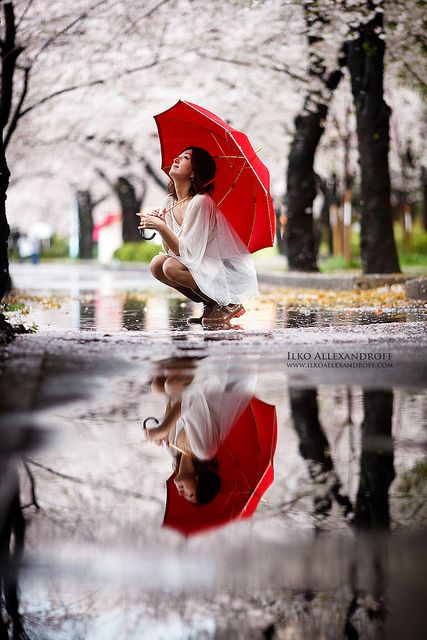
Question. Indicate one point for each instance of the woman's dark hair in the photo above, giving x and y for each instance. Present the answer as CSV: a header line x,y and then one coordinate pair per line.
x,y
204,169
208,478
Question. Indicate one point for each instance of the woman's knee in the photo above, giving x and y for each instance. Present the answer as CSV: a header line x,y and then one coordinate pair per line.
x,y
156,266
171,268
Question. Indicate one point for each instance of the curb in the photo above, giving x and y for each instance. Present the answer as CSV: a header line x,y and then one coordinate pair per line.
x,y
325,281
416,289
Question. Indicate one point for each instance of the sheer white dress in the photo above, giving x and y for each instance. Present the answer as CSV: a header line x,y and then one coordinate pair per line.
x,y
216,257
212,403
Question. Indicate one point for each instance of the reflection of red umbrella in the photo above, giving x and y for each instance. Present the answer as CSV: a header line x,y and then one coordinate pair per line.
x,y
245,462
242,184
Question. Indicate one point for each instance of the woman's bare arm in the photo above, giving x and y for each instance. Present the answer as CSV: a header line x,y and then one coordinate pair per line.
x,y
169,238
172,414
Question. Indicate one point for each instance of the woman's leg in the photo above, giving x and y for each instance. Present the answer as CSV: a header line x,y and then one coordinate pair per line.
x,y
156,268
176,272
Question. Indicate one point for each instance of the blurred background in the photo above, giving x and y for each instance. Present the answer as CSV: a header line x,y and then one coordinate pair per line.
x,y
87,78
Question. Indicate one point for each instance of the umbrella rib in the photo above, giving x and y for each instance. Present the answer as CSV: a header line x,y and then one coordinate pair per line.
x,y
222,150
253,223
269,221
234,183
242,157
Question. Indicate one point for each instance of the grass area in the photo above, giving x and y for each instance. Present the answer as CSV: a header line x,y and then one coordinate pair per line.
x,y
416,259
13,305
58,249
338,263
137,251
265,253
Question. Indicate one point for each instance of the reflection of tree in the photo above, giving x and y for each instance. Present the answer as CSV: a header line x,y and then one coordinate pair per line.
x,y
314,447
12,535
134,312
86,314
372,512
367,609
376,461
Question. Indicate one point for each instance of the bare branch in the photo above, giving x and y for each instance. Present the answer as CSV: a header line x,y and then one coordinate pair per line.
x,y
17,112
248,63
24,13
133,22
153,174
29,176
104,177
65,29
105,486
100,199
99,81
32,487
154,9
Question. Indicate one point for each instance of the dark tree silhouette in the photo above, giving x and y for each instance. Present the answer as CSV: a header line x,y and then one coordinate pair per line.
x,y
376,461
130,204
12,535
365,61
372,512
309,127
85,206
314,447
9,51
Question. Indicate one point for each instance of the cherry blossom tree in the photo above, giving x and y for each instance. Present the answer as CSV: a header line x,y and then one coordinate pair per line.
x,y
119,63
365,51
309,127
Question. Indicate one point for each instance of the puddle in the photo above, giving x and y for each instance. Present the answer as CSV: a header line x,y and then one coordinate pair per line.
x,y
271,495
241,489
155,312
88,299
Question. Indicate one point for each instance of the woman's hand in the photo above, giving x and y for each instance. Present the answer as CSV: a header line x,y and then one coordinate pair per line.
x,y
155,219
158,434
151,221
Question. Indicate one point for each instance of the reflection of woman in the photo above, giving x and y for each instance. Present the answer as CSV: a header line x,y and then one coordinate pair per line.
x,y
205,259
201,409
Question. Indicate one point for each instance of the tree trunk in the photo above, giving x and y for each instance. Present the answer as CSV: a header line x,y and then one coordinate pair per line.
x,y
365,61
85,212
376,461
5,284
309,127
301,191
9,54
130,205
314,447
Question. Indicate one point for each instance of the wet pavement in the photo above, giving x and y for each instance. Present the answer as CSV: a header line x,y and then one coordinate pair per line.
x,y
300,433
88,297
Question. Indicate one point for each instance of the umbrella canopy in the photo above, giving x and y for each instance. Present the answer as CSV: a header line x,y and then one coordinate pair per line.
x,y
242,183
245,466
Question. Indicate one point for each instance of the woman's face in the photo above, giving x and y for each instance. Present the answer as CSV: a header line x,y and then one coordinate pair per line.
x,y
182,166
187,487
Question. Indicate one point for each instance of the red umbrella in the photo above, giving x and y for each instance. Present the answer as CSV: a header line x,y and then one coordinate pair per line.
x,y
242,183
245,466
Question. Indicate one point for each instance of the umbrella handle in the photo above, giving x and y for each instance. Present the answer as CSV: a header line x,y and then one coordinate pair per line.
x,y
144,424
143,236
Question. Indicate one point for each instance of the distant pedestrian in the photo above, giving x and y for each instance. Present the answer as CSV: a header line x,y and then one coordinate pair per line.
x,y
28,248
